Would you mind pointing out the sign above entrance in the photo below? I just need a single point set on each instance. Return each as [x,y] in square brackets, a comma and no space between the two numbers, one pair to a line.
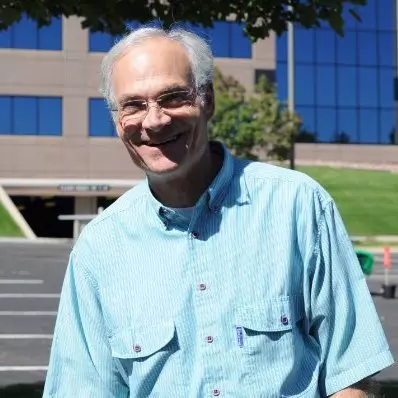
[83,188]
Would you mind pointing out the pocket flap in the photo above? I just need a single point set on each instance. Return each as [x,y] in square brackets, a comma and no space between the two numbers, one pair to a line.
[274,315]
[142,341]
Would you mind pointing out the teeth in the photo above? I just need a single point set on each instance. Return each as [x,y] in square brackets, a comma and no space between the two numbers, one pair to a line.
[164,142]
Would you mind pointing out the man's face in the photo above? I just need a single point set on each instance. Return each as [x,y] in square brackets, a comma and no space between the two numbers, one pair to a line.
[172,136]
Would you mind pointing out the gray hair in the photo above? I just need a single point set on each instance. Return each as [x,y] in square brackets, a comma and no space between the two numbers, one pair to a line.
[198,51]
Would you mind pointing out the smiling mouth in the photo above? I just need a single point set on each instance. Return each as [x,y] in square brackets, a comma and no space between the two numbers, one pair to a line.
[163,143]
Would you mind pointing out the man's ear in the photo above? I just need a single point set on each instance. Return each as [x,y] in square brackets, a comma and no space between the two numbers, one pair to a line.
[209,102]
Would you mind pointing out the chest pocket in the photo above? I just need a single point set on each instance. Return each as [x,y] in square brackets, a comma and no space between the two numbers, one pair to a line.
[142,351]
[270,341]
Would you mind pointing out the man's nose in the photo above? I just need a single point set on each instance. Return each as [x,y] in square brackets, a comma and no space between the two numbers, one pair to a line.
[155,119]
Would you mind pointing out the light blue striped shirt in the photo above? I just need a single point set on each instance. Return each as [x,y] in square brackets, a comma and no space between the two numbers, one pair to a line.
[260,294]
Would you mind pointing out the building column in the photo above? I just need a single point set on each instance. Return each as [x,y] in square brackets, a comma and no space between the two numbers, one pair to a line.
[84,206]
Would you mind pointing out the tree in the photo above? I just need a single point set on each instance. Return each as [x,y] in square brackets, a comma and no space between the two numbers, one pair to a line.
[259,16]
[248,124]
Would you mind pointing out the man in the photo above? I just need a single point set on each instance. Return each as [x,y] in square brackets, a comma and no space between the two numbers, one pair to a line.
[216,276]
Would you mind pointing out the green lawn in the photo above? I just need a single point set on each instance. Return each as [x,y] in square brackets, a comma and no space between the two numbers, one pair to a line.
[7,225]
[367,200]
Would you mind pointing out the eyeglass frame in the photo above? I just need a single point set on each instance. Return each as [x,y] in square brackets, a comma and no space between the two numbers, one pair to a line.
[192,94]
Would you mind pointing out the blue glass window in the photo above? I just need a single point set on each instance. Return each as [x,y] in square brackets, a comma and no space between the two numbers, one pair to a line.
[369,131]
[220,41]
[304,45]
[368,15]
[387,119]
[49,116]
[26,34]
[304,85]
[386,42]
[307,115]
[325,46]
[281,81]
[386,14]
[367,48]
[26,115]
[5,116]
[100,41]
[50,37]
[348,124]
[386,87]
[100,120]
[347,48]
[241,46]
[326,124]
[281,48]
[325,85]
[347,86]
[368,90]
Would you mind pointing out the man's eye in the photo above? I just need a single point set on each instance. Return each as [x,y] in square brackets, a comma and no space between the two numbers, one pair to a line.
[173,100]
[133,106]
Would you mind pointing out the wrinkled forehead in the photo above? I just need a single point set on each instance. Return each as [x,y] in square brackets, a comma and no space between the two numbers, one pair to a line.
[152,67]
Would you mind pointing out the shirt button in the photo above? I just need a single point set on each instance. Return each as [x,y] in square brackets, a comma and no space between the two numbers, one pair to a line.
[284,320]
[195,234]
[209,339]
[137,348]
[216,392]
[202,286]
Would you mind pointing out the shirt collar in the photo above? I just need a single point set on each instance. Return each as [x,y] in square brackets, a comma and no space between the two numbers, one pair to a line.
[218,189]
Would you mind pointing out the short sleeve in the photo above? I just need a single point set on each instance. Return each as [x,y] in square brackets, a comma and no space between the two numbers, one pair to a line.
[343,318]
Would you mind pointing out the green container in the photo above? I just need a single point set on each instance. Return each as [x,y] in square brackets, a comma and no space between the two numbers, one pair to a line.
[366,260]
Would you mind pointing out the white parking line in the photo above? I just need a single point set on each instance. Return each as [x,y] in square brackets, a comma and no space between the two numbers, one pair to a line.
[29,295]
[25,336]
[23,368]
[21,281]
[28,313]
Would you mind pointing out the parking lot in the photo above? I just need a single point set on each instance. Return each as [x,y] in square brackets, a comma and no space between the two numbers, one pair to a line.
[31,276]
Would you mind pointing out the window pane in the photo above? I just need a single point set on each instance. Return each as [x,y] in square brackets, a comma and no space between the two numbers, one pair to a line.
[308,130]
[368,126]
[326,124]
[349,21]
[386,42]
[367,48]
[347,86]
[5,115]
[25,115]
[100,120]
[304,45]
[100,41]
[386,14]
[304,85]
[386,87]
[50,116]
[281,81]
[325,85]
[368,91]
[5,38]
[281,48]
[50,37]
[347,127]
[368,15]
[387,126]
[347,49]
[241,46]
[25,34]
[325,46]
[220,43]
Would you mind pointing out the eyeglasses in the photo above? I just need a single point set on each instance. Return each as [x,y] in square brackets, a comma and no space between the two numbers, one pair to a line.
[172,103]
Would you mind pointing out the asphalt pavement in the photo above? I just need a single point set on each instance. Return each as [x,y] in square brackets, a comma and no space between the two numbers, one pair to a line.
[31,276]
